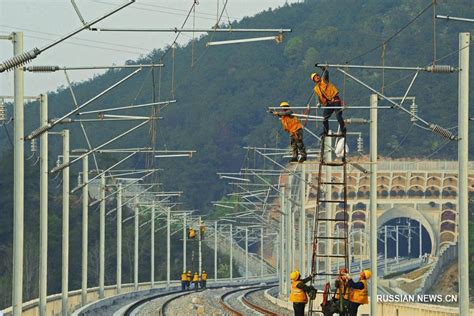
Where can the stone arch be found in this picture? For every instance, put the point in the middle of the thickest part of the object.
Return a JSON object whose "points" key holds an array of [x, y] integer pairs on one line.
{"points": [[409, 212]]}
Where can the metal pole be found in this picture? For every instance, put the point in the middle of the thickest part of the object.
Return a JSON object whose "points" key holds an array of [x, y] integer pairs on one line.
{"points": [[385, 250], [215, 251], [65, 232], [246, 253], [102, 238], [261, 251], [43, 253], [329, 210], [152, 246], [309, 248], [199, 247], [288, 236], [18, 179], [398, 243], [282, 243], [135, 252], [293, 241], [119, 239], [85, 227], [373, 203], [183, 30], [168, 246], [302, 221], [230, 253], [360, 248], [409, 237], [420, 231], [463, 169], [184, 242]]}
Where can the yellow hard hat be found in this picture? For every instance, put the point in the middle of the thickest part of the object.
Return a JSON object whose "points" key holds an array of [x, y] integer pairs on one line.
{"points": [[367, 274], [313, 75], [294, 275], [284, 103]]}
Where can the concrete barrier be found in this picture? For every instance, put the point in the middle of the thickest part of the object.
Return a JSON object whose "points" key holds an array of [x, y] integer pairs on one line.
{"points": [[447, 255], [53, 305]]}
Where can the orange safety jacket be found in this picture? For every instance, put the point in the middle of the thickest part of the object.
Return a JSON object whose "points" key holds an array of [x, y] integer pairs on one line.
{"points": [[196, 278], [342, 287], [184, 277], [204, 276], [291, 124], [297, 295], [360, 296], [189, 276], [325, 91]]}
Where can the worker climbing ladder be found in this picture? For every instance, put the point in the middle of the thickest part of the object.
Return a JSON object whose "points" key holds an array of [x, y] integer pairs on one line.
{"points": [[325, 224]]}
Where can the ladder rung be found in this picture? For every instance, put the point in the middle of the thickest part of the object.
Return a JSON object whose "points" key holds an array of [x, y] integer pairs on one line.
{"points": [[330, 220], [333, 163], [330, 237], [336, 135], [331, 201], [334, 183], [331, 274]]}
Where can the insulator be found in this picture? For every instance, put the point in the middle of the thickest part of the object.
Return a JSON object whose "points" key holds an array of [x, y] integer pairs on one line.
{"points": [[360, 144], [442, 132], [440, 68], [19, 60], [33, 146], [58, 162], [3, 112], [40, 130], [79, 180], [279, 38], [414, 112], [42, 68], [356, 121]]}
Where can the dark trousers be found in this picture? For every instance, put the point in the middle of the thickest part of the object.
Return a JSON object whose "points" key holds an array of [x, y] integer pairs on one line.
{"points": [[296, 142], [184, 284], [353, 307], [203, 284], [327, 114], [196, 285], [299, 309]]}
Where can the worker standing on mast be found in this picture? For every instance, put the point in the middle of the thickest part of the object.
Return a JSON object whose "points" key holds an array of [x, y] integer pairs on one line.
{"points": [[328, 97], [292, 125]]}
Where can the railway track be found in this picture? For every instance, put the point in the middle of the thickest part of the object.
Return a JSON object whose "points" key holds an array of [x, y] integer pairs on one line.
{"points": [[246, 301], [133, 308]]}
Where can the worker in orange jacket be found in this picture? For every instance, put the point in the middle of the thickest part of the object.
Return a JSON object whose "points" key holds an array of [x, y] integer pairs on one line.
{"points": [[184, 281], [196, 281], [328, 96], [359, 294], [300, 291], [203, 279], [292, 125]]}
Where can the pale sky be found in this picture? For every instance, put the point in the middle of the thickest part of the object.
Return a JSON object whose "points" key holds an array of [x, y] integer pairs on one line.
{"points": [[43, 21]]}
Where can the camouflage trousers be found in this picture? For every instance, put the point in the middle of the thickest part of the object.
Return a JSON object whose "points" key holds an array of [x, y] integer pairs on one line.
{"points": [[296, 142]]}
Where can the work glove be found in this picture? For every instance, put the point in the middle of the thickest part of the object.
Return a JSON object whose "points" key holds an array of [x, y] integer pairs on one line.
{"points": [[312, 293]]}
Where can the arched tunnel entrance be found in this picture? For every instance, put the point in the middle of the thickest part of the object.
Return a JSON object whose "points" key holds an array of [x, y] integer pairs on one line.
{"points": [[403, 233]]}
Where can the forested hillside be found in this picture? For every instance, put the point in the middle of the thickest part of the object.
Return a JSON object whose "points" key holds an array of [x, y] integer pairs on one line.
{"points": [[222, 97]]}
